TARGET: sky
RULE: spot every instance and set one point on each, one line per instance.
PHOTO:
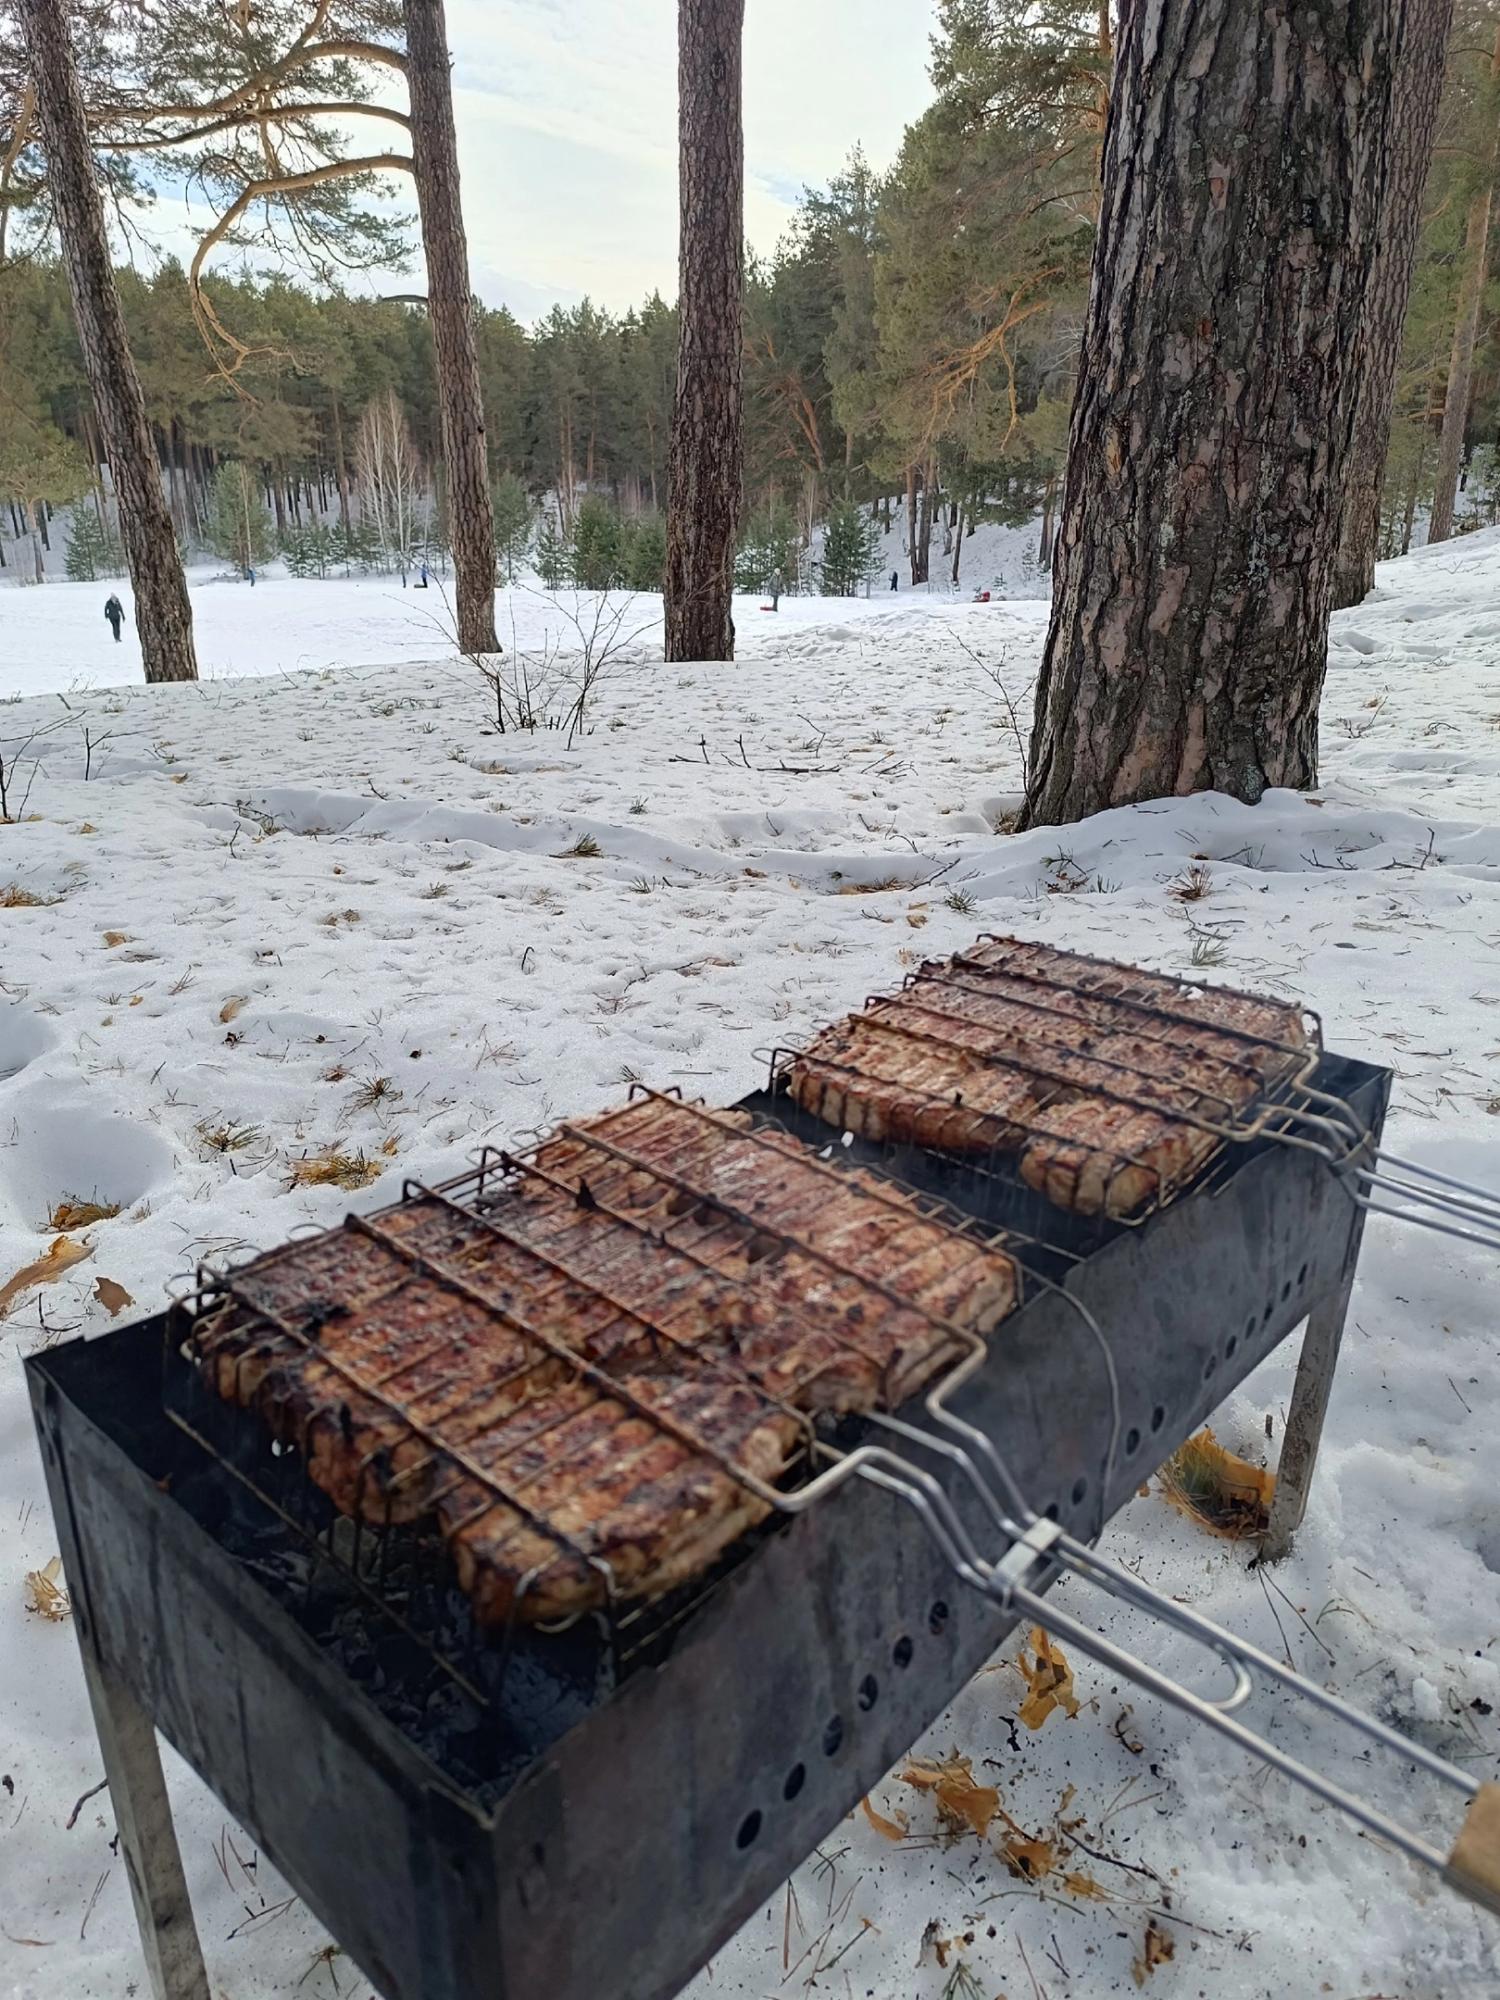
(567, 136)
(567, 133)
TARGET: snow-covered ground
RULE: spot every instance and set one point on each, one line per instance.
(54, 639)
(257, 897)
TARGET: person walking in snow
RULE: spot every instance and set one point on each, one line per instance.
(776, 590)
(422, 579)
(895, 579)
(114, 611)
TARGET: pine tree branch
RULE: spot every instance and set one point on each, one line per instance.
(296, 58)
(25, 111)
(205, 317)
(283, 115)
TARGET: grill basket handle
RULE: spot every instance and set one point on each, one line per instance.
(1473, 1868)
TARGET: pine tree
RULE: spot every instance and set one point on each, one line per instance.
(644, 556)
(1189, 630)
(94, 550)
(515, 522)
(299, 552)
(238, 527)
(851, 551)
(553, 558)
(770, 547)
(596, 545)
(703, 501)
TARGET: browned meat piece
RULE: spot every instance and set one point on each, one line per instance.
(864, 1076)
(1115, 1085)
(427, 1363)
(1101, 1158)
(1267, 1034)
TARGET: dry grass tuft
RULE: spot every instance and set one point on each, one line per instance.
(227, 1137)
(333, 1167)
(14, 897)
(1223, 1493)
(584, 848)
(71, 1213)
(1192, 885)
(374, 1091)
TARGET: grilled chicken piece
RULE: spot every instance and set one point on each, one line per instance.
(578, 1382)
(867, 1077)
(1096, 1157)
(1269, 1035)
(1114, 1085)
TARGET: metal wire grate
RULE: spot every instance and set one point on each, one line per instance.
(1106, 1090)
(670, 1287)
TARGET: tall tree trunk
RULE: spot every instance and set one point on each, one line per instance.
(1418, 89)
(1049, 508)
(1216, 395)
(1465, 335)
(450, 312)
(37, 537)
(958, 539)
(924, 528)
(163, 616)
(340, 465)
(1414, 493)
(705, 461)
(911, 522)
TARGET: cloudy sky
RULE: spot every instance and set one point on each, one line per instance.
(567, 135)
(567, 129)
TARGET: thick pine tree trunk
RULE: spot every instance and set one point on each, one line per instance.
(1465, 338)
(163, 617)
(911, 522)
(705, 460)
(450, 311)
(1418, 88)
(1244, 176)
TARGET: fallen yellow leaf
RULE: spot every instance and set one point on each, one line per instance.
(1156, 1949)
(45, 1594)
(1050, 1679)
(112, 938)
(61, 1254)
(889, 1829)
(960, 1801)
(114, 1298)
(232, 1006)
(1078, 1884)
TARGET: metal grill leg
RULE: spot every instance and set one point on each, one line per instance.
(1304, 1423)
(148, 1842)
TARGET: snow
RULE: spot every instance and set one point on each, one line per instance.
(305, 875)
(53, 638)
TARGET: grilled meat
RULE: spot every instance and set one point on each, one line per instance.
(1112, 1084)
(583, 1379)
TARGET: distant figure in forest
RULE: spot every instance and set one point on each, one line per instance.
(776, 590)
(114, 611)
(895, 579)
(422, 579)
(250, 573)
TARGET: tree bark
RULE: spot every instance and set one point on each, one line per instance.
(1465, 336)
(1244, 177)
(450, 312)
(911, 522)
(163, 617)
(705, 461)
(1417, 91)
